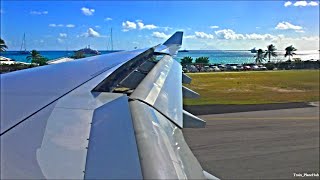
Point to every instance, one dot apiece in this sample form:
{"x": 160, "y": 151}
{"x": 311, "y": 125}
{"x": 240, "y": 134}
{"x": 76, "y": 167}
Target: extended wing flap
{"x": 162, "y": 89}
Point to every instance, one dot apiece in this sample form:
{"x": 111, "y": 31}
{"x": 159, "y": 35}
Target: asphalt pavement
{"x": 272, "y": 144}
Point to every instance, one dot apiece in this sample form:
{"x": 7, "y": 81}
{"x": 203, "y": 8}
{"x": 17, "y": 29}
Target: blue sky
{"x": 61, "y": 25}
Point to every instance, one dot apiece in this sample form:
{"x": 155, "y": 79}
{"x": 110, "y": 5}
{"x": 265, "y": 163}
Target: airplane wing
{"x": 113, "y": 116}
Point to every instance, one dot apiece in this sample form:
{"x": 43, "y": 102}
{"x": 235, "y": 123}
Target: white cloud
{"x": 214, "y": 27}
{"x": 166, "y": 28}
{"x": 93, "y": 33}
{"x": 60, "y": 40}
{"x": 63, "y": 35}
{"x": 87, "y": 11}
{"x": 255, "y": 36}
{"x": 62, "y": 25}
{"x": 143, "y": 26}
{"x": 203, "y": 35}
{"x": 300, "y": 31}
{"x": 228, "y": 34}
{"x": 300, "y": 3}
{"x": 287, "y": 25}
{"x": 39, "y": 12}
{"x": 90, "y": 33}
{"x": 250, "y": 40}
{"x": 128, "y": 26}
{"x": 305, "y": 3}
{"x": 288, "y": 3}
{"x": 97, "y": 26}
{"x": 160, "y": 35}
{"x": 189, "y": 37}
{"x": 313, "y": 3}
{"x": 311, "y": 38}
{"x": 70, "y": 25}
{"x": 108, "y": 19}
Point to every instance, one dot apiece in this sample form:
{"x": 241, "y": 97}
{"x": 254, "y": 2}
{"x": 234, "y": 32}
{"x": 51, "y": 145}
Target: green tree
{"x": 78, "y": 55}
{"x": 40, "y": 61}
{"x": 186, "y": 60}
{"x": 270, "y": 52}
{"x": 290, "y": 51}
{"x": 33, "y": 56}
{"x": 203, "y": 60}
{"x": 36, "y": 58}
{"x": 3, "y": 45}
{"x": 259, "y": 56}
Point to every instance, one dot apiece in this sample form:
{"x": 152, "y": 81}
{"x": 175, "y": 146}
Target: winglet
{"x": 172, "y": 45}
{"x": 176, "y": 38}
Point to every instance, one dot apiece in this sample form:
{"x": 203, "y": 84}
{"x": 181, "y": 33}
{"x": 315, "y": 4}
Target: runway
{"x": 258, "y": 144}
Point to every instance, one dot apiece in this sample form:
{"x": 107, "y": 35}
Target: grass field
{"x": 258, "y": 87}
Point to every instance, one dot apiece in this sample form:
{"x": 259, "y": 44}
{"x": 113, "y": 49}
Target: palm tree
{"x": 203, "y": 60}
{"x": 3, "y": 45}
{"x": 186, "y": 60}
{"x": 40, "y": 61}
{"x": 259, "y": 56}
{"x": 34, "y": 55}
{"x": 290, "y": 51}
{"x": 270, "y": 51}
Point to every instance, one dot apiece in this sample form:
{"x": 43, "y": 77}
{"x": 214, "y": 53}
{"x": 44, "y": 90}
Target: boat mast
{"x": 111, "y": 40}
{"x": 23, "y": 43}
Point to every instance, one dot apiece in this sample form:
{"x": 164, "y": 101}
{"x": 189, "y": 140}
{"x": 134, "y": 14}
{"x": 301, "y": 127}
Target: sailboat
{"x": 23, "y": 49}
{"x": 110, "y": 42}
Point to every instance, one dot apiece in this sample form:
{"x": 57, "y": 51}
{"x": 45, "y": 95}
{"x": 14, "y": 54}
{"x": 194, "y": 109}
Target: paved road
{"x": 259, "y": 144}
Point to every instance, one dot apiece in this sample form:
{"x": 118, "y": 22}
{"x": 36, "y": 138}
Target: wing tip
{"x": 176, "y": 38}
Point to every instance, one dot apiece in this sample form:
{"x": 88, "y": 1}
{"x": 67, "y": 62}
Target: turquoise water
{"x": 240, "y": 57}
{"x": 222, "y": 57}
{"x": 48, "y": 54}
{"x": 215, "y": 56}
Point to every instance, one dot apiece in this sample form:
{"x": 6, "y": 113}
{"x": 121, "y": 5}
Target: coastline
{"x": 215, "y": 56}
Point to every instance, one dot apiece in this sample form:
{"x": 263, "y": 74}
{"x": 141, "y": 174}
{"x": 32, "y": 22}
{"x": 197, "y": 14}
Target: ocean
{"x": 215, "y": 56}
